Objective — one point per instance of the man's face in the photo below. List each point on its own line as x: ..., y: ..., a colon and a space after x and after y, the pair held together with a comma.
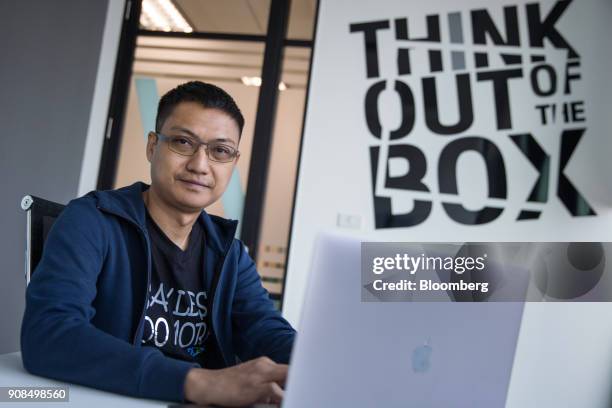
x: 190, y: 183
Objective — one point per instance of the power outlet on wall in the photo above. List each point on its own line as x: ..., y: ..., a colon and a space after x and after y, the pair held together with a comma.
x: 349, y: 221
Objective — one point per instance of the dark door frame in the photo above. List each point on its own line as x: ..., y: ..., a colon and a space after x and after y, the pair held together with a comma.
x: 119, y: 94
x: 264, y: 125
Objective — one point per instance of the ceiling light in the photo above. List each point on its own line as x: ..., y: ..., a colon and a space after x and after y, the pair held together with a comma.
x: 162, y: 15
x: 251, y: 81
x: 256, y: 81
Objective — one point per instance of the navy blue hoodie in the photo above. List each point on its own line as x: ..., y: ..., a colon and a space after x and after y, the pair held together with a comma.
x: 84, y: 315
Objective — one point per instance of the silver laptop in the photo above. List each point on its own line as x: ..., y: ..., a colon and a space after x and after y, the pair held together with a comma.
x: 411, y: 354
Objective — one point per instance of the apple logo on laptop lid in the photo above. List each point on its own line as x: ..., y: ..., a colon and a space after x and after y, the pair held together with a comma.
x: 421, y: 357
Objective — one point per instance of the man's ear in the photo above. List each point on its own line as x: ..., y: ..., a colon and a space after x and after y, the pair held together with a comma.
x: 151, y: 143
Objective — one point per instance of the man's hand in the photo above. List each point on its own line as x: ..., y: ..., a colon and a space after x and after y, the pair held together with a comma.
x: 248, y: 383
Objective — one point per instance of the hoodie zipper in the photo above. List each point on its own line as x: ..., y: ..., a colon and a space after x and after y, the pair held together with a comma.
x: 214, y: 284
x: 143, y: 236
x: 213, y: 287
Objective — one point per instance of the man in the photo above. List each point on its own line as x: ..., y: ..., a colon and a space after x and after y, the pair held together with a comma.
x: 141, y: 292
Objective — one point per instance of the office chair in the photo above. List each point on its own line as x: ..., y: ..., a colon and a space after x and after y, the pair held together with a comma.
x: 41, y: 214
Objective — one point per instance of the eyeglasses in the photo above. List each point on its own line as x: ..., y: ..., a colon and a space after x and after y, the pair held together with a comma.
x: 188, y: 146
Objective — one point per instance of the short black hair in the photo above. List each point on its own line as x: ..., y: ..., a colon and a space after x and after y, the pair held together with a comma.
x: 207, y: 95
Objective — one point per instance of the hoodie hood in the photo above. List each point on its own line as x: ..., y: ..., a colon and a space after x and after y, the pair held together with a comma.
x: 127, y: 203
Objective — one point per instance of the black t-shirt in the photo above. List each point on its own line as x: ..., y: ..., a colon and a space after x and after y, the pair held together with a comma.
x: 177, y: 319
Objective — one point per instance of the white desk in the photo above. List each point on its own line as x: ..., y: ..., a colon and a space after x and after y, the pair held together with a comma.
x: 12, y: 374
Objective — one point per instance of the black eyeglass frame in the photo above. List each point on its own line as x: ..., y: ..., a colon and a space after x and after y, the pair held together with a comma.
x: 234, y: 152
